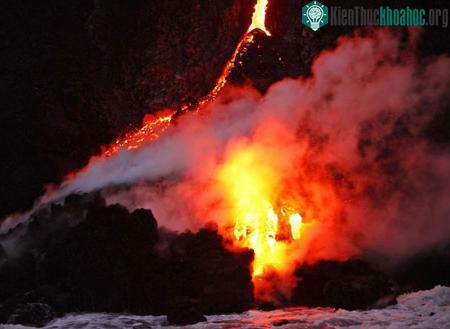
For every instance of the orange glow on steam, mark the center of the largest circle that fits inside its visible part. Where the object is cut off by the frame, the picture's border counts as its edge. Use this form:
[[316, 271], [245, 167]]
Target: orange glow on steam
[[260, 215]]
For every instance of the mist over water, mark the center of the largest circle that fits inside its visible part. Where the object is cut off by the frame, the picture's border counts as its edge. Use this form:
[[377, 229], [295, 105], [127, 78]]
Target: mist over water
[[424, 309]]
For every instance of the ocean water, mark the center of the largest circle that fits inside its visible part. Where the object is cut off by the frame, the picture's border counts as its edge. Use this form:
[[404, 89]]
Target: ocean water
[[428, 309]]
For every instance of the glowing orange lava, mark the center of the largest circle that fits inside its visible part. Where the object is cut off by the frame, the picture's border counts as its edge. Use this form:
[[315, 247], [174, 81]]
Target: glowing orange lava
[[251, 187], [252, 190], [259, 17], [151, 129], [153, 126]]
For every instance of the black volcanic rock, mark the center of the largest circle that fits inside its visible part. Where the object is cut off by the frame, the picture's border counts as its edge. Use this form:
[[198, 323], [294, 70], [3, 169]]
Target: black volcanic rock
[[113, 260], [424, 270], [201, 268], [289, 51], [3, 256], [351, 285], [103, 261], [30, 314], [17, 275], [85, 256], [184, 312]]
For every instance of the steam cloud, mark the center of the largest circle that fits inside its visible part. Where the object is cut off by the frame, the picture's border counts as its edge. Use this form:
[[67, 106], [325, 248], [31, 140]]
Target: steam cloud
[[348, 144]]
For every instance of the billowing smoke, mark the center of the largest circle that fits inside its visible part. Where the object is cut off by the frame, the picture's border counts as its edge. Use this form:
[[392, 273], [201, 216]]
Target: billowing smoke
[[347, 146]]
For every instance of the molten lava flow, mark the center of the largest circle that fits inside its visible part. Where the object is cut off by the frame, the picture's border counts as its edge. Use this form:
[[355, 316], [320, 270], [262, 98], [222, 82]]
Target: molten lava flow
[[259, 17], [258, 22], [223, 79], [295, 220], [152, 126], [252, 189], [151, 129]]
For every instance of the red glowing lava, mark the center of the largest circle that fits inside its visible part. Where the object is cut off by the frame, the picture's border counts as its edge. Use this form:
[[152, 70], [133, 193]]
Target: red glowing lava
[[153, 126]]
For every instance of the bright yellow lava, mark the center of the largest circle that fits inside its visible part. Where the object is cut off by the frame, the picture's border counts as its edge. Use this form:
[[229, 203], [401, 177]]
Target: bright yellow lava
[[295, 220], [259, 17], [251, 189]]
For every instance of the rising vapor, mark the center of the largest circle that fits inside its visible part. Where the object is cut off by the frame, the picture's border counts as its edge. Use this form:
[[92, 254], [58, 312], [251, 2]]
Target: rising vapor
[[347, 146]]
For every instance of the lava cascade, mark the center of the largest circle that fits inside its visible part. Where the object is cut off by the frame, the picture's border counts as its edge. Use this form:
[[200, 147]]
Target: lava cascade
[[259, 17], [264, 222]]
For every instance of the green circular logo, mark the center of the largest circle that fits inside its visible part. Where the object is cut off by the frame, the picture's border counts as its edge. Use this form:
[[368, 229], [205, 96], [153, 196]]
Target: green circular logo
[[314, 15]]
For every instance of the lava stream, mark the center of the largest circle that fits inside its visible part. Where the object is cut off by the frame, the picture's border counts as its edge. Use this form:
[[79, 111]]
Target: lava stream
[[152, 126], [259, 220], [151, 129], [259, 17]]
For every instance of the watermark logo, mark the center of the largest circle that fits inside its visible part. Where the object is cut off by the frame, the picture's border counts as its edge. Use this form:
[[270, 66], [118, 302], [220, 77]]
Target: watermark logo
[[315, 15]]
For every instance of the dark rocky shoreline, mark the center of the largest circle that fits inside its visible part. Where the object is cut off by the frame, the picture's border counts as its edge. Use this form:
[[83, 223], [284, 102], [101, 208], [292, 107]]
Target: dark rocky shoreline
[[85, 256], [117, 261], [77, 74]]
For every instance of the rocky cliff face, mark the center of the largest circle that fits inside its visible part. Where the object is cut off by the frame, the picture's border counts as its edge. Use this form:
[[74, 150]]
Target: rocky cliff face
[[77, 74]]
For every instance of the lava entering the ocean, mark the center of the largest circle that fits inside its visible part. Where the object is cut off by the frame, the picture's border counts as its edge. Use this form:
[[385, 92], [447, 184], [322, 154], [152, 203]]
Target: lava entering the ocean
[[264, 221], [261, 217]]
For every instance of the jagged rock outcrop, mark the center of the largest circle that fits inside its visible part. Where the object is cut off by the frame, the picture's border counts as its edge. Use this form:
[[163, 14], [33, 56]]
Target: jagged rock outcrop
[[28, 314], [351, 285], [113, 260]]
